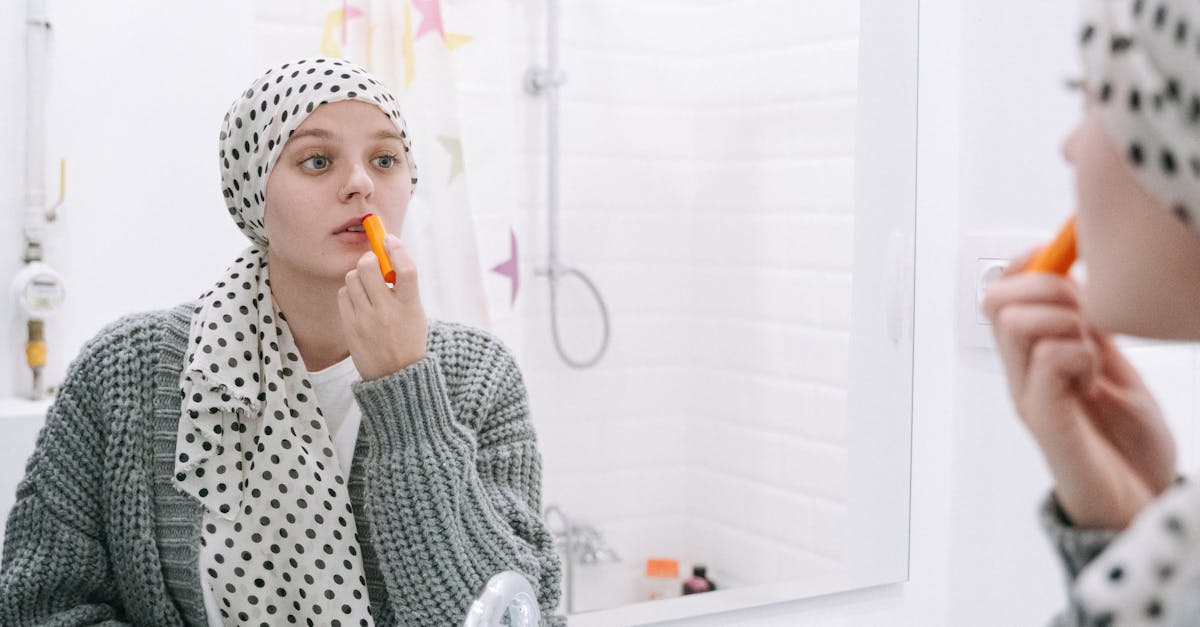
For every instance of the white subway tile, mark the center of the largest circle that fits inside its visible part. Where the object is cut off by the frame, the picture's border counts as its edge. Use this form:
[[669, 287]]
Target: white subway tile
[[808, 241], [823, 128], [747, 186], [614, 76], [829, 415], [830, 524], [841, 66], [774, 23], [814, 469], [625, 131]]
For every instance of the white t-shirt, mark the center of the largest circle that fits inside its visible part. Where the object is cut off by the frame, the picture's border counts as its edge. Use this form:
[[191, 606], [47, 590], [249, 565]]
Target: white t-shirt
[[335, 394]]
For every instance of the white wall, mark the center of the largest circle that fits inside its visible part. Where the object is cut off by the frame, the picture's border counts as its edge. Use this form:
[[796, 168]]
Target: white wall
[[707, 182], [12, 186], [137, 92], [772, 226]]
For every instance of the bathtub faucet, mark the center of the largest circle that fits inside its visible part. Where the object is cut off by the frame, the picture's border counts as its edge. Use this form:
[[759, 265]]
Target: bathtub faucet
[[580, 542]]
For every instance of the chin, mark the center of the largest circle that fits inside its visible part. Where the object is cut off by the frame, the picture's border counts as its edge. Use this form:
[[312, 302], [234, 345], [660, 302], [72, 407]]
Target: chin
[[1144, 315]]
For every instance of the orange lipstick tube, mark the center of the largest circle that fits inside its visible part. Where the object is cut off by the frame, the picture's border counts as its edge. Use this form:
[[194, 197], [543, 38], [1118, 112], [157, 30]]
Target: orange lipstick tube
[[373, 227], [1059, 256]]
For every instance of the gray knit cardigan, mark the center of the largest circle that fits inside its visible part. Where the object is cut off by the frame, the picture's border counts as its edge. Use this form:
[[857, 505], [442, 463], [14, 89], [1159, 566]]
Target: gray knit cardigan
[[446, 482]]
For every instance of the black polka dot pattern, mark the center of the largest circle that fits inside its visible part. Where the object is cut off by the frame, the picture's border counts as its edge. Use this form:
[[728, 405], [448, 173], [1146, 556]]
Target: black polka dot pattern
[[262, 118], [278, 543], [1141, 59], [1148, 574]]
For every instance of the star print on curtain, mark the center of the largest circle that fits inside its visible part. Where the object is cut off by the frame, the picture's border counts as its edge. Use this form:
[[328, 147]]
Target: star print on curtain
[[407, 45]]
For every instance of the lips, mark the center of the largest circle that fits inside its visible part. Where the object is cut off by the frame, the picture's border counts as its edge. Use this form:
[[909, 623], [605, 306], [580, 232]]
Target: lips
[[353, 225]]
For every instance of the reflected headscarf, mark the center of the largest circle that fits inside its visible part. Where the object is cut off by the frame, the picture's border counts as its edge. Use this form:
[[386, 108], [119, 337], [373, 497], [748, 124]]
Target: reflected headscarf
[[1141, 60]]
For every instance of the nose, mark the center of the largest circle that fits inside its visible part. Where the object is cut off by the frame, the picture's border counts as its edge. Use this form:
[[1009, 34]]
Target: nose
[[358, 183]]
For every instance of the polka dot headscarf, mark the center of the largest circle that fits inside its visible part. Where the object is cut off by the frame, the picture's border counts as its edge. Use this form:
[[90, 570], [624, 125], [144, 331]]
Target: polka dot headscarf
[[277, 543], [1141, 59]]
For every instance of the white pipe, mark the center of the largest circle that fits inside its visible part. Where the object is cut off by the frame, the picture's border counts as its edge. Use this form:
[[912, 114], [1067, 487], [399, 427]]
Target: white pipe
[[37, 39], [552, 145]]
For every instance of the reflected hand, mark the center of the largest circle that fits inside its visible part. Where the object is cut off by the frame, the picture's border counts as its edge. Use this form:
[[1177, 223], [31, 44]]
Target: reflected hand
[[385, 327], [1099, 429]]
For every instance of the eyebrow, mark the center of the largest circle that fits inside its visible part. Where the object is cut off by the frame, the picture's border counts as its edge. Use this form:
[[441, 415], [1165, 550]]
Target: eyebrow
[[389, 134], [319, 133]]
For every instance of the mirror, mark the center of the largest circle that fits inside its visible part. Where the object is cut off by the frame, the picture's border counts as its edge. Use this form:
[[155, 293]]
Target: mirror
[[734, 179]]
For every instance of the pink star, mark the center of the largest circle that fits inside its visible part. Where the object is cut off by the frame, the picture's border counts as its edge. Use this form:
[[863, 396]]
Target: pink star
[[348, 12], [431, 17], [509, 268]]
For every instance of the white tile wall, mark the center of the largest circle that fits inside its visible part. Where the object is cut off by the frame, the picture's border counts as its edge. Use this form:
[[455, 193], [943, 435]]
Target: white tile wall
[[707, 188]]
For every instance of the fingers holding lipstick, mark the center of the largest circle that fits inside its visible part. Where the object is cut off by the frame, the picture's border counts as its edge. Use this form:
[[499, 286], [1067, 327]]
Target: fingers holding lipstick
[[406, 286], [385, 327]]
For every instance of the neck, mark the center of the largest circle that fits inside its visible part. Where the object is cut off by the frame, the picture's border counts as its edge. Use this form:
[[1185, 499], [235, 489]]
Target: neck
[[311, 308]]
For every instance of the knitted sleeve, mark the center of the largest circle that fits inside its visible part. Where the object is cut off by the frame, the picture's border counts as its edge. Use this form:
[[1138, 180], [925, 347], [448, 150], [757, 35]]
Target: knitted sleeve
[[454, 500], [55, 569], [1076, 548]]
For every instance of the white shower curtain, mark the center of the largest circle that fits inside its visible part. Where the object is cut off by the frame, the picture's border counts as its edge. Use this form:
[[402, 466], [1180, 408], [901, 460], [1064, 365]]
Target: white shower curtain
[[409, 45]]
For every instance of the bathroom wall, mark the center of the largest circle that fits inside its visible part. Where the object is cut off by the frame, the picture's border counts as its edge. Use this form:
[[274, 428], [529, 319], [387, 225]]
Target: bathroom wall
[[706, 188], [772, 227], [12, 188], [139, 196], [615, 437]]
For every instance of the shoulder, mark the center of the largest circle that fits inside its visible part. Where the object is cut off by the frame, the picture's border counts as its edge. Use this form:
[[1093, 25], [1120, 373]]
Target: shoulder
[[459, 346], [129, 349], [138, 333], [106, 391], [479, 369]]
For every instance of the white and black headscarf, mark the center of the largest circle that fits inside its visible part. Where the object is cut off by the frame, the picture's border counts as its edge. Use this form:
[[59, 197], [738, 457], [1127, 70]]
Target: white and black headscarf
[[1142, 61], [278, 535]]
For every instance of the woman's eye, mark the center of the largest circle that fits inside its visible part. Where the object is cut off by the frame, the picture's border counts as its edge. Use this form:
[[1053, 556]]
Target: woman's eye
[[386, 161], [316, 163]]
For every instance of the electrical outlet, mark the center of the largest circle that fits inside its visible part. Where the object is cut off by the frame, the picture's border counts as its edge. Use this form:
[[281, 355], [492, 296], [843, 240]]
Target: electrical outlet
[[983, 258], [986, 271]]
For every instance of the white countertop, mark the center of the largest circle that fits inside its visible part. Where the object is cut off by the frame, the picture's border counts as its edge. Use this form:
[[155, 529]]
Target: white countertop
[[11, 407]]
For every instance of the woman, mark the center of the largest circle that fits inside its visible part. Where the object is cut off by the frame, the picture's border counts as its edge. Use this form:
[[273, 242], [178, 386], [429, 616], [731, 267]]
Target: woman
[[1128, 535], [301, 445]]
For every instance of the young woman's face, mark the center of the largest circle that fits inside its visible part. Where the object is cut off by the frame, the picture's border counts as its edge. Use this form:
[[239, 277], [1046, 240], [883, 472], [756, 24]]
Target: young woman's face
[[346, 160], [1143, 264]]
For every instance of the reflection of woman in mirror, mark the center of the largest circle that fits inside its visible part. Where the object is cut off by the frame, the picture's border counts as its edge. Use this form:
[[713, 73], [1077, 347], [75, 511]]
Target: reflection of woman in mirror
[[304, 448], [1127, 530]]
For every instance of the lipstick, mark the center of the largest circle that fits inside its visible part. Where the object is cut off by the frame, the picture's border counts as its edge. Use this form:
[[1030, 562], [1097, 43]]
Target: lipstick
[[1059, 256], [373, 227]]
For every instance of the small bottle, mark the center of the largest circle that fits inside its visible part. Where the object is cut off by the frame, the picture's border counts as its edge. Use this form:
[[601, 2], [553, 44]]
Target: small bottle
[[661, 580], [698, 582]]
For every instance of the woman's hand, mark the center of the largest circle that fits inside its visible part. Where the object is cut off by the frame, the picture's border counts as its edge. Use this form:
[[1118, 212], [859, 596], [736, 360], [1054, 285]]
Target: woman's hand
[[1100, 430], [385, 327]]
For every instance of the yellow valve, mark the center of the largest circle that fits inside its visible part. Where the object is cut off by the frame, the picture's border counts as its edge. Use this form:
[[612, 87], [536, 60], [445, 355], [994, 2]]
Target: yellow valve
[[35, 354], [35, 348]]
